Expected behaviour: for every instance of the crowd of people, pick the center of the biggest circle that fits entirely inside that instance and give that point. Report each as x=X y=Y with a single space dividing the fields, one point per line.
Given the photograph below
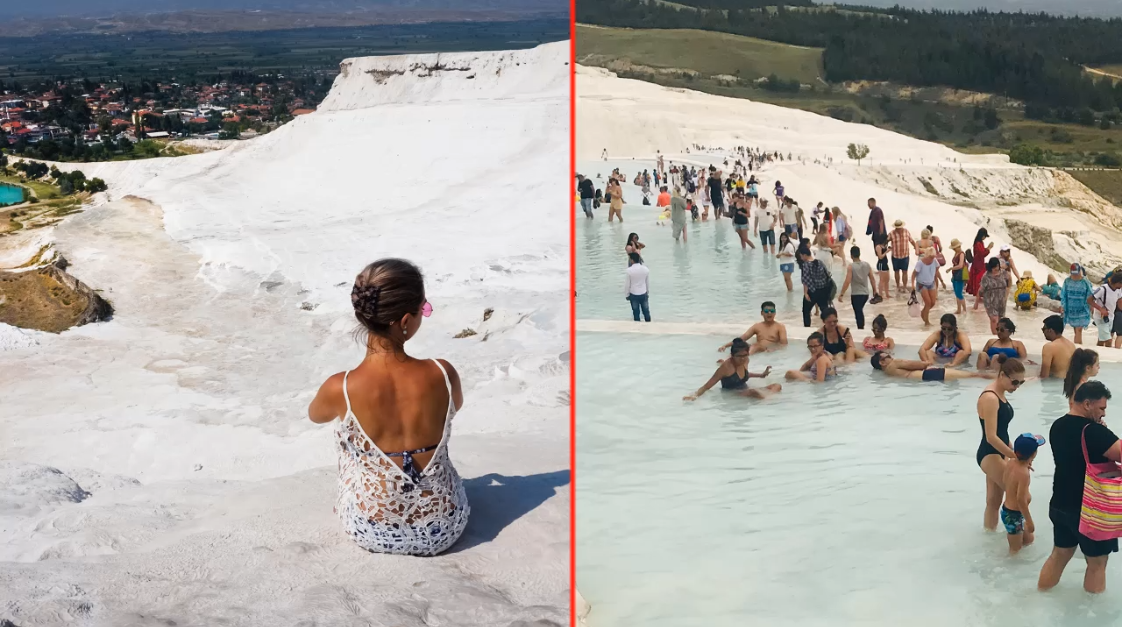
x=1079 y=440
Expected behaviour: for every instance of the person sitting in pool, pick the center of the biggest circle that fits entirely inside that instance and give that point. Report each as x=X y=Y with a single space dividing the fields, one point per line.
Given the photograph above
x=1055 y=357
x=922 y=370
x=733 y=375
x=837 y=339
x=878 y=341
x=819 y=367
x=946 y=343
x=770 y=335
x=1003 y=344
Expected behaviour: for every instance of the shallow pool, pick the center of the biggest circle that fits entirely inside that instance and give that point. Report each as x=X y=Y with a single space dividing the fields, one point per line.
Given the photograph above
x=10 y=195
x=709 y=278
x=853 y=502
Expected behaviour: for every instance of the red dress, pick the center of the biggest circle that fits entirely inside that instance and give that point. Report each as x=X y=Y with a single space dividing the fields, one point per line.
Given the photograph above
x=977 y=267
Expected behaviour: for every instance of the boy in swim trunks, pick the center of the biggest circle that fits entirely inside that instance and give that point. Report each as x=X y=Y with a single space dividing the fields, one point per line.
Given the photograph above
x=770 y=335
x=1015 y=514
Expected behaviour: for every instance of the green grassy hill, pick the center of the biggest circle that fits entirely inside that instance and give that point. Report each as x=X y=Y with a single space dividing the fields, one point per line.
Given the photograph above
x=709 y=53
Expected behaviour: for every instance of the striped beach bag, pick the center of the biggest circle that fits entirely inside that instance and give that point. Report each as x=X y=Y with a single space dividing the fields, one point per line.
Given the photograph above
x=1101 y=515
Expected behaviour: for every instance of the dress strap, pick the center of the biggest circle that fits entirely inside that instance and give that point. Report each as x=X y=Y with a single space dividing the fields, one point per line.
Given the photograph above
x=346 y=396
x=447 y=382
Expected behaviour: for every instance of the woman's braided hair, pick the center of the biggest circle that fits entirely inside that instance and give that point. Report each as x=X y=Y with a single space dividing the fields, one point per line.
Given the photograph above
x=385 y=291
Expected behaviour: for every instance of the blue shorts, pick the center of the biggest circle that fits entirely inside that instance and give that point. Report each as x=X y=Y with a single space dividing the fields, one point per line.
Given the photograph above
x=787 y=267
x=740 y=227
x=1013 y=520
x=767 y=237
x=791 y=229
x=958 y=287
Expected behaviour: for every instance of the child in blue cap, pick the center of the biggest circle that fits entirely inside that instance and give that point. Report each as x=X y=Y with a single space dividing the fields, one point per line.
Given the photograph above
x=1015 y=513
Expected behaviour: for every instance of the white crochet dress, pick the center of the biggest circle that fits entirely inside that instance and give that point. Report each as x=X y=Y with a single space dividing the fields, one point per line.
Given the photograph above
x=382 y=508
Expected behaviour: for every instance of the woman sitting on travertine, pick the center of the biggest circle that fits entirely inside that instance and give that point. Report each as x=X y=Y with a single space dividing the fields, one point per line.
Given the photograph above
x=409 y=501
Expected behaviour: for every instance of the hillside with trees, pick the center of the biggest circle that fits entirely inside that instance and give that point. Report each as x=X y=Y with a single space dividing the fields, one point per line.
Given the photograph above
x=1035 y=58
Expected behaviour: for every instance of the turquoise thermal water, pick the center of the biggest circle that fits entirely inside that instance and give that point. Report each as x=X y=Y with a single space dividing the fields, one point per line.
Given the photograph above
x=855 y=502
x=10 y=195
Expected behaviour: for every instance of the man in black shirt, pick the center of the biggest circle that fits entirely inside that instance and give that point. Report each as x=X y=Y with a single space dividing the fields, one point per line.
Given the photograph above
x=1066 y=437
x=587 y=194
x=716 y=196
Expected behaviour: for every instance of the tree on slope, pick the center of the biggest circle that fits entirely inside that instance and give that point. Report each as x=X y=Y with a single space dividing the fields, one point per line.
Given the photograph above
x=857 y=152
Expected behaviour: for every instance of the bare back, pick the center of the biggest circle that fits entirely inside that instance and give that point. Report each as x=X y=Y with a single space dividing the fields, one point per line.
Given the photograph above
x=401 y=403
x=1061 y=350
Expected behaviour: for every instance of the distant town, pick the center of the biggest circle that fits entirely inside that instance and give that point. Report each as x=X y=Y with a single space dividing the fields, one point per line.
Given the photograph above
x=86 y=121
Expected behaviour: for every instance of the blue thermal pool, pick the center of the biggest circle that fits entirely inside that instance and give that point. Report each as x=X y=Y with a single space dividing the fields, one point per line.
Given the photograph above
x=10 y=195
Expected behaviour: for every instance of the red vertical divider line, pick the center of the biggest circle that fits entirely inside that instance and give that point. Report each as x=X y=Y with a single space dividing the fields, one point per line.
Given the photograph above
x=572 y=314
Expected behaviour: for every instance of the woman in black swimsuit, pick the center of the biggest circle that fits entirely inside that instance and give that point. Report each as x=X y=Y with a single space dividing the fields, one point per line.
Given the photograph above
x=733 y=375
x=838 y=342
x=994 y=414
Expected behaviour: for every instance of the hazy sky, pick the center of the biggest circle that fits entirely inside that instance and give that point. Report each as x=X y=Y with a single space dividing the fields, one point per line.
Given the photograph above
x=1089 y=8
x=57 y=8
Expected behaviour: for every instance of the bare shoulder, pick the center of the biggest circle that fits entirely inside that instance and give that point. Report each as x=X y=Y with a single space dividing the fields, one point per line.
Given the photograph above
x=454 y=382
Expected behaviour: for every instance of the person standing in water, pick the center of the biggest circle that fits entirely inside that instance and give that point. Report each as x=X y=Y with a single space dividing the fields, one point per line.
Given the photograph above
x=978 y=264
x=770 y=335
x=716 y=194
x=995 y=413
x=816 y=282
x=1078 y=438
x=615 y=207
x=1078 y=299
x=960 y=276
x=1055 y=357
x=587 y=194
x=739 y=209
x=994 y=291
x=765 y=226
x=877 y=226
x=410 y=501
x=637 y=286
x=786 y=258
x=880 y=249
x=733 y=375
x=924 y=278
x=860 y=275
x=633 y=244
x=678 y=212
x=902 y=244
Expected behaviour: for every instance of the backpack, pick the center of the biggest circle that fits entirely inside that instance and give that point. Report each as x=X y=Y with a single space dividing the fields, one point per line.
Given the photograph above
x=646 y=201
x=969 y=256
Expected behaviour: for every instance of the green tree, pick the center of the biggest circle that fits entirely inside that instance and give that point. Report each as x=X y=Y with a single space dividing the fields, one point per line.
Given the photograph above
x=991 y=118
x=1026 y=154
x=1108 y=160
x=857 y=152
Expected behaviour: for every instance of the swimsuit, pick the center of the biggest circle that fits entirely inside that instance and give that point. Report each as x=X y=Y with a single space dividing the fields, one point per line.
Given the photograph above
x=934 y=374
x=1004 y=417
x=1009 y=352
x=814 y=371
x=1013 y=520
x=835 y=348
x=947 y=351
x=735 y=381
x=872 y=344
